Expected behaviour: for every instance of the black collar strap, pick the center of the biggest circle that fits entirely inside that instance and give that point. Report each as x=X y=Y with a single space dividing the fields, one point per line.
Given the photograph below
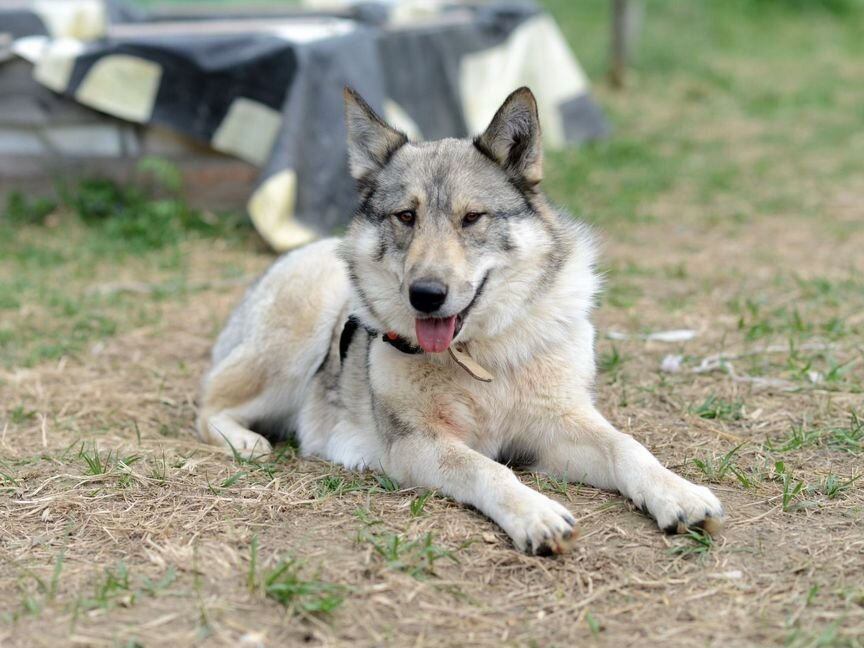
x=394 y=340
x=391 y=338
x=347 y=336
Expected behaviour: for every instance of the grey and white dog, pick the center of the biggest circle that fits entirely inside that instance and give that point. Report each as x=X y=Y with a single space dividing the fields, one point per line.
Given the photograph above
x=445 y=338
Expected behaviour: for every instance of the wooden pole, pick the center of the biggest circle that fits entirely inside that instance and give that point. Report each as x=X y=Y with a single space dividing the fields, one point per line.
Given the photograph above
x=618 y=53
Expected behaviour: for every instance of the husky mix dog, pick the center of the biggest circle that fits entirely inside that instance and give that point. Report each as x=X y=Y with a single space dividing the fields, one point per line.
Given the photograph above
x=443 y=340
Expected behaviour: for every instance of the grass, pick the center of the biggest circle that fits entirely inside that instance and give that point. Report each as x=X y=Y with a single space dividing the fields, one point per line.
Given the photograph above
x=33 y=602
x=385 y=483
x=717 y=408
x=707 y=50
x=160 y=586
x=552 y=484
x=125 y=218
x=97 y=463
x=414 y=556
x=694 y=544
x=418 y=504
x=8 y=482
x=792 y=488
x=594 y=623
x=50 y=308
x=114 y=585
x=834 y=486
x=802 y=436
x=715 y=469
x=728 y=201
x=284 y=584
x=337 y=485
x=611 y=361
x=20 y=415
x=848 y=438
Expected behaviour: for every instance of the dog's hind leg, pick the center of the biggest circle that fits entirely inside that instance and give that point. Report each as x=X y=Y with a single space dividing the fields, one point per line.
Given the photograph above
x=233 y=393
x=224 y=429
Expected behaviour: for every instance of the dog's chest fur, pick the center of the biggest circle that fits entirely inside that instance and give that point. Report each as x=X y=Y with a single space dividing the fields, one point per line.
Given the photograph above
x=381 y=392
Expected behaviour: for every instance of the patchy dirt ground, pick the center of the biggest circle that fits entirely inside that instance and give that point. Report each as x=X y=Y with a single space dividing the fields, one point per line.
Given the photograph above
x=119 y=529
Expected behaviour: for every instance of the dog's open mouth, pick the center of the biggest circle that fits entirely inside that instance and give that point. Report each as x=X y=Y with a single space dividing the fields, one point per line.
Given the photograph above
x=434 y=334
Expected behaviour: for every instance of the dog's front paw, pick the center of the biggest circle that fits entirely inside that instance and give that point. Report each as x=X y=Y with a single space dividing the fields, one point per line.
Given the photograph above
x=678 y=504
x=539 y=525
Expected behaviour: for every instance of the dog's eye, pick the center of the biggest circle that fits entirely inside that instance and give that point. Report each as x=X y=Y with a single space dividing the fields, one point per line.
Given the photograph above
x=472 y=217
x=407 y=217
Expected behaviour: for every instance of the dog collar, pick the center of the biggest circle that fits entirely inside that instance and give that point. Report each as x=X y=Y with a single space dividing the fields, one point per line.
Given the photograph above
x=457 y=352
x=460 y=355
x=391 y=338
x=398 y=342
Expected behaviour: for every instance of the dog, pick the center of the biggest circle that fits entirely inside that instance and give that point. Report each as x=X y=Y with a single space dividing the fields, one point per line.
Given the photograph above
x=444 y=340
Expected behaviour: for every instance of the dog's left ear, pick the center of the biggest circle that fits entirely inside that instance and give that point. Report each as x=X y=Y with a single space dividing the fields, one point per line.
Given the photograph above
x=371 y=141
x=513 y=137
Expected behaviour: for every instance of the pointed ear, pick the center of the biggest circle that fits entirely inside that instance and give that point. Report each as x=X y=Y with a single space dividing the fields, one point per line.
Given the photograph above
x=371 y=141
x=513 y=138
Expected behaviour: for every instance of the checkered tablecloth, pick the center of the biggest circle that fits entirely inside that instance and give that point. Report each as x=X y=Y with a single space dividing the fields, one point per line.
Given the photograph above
x=268 y=89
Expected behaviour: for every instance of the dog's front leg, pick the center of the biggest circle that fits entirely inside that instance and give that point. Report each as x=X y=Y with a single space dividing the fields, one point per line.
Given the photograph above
x=585 y=447
x=535 y=523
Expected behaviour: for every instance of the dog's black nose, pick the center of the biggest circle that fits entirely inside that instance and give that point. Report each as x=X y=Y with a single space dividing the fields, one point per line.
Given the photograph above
x=427 y=295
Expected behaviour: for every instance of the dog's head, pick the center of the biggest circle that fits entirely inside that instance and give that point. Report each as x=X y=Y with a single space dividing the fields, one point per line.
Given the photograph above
x=451 y=237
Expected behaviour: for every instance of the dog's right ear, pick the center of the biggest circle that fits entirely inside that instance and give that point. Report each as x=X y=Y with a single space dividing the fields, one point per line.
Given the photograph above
x=371 y=141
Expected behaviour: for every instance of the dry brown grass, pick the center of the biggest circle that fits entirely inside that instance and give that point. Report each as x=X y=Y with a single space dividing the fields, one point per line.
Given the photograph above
x=772 y=577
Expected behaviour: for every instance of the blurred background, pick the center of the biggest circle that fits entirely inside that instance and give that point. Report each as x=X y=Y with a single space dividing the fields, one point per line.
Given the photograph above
x=235 y=107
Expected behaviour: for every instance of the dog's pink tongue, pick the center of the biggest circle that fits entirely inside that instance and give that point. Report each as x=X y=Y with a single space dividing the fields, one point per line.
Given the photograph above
x=435 y=334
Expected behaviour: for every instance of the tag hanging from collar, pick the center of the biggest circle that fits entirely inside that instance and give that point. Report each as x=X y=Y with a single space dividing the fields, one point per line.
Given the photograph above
x=469 y=364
